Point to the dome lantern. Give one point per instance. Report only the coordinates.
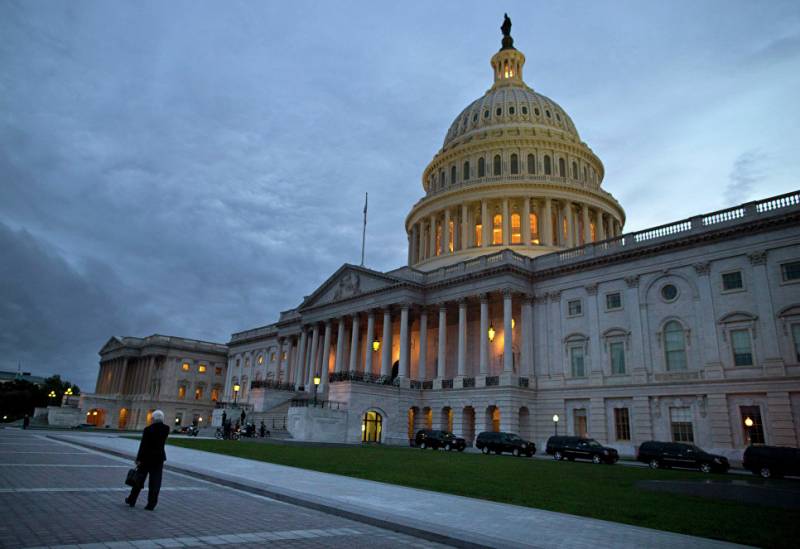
(507, 63)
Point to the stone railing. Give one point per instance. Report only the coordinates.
(263, 331)
(360, 377)
(447, 384)
(523, 382)
(468, 382)
(246, 406)
(312, 403)
(269, 384)
(492, 381)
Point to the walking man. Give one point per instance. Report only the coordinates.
(150, 461)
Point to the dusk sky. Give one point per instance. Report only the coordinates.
(193, 168)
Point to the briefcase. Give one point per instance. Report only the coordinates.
(133, 478)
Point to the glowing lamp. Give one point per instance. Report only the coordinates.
(513, 323)
(177, 420)
(199, 419)
(555, 418)
(236, 388)
(748, 422)
(94, 413)
(376, 345)
(491, 332)
(69, 391)
(317, 380)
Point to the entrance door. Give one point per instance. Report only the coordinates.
(371, 427)
(579, 417)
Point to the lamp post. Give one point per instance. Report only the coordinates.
(236, 388)
(69, 391)
(316, 384)
(555, 423)
(52, 394)
(748, 422)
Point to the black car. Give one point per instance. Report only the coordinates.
(573, 448)
(680, 454)
(499, 442)
(430, 438)
(772, 461)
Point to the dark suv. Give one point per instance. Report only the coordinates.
(772, 461)
(429, 438)
(680, 454)
(500, 442)
(573, 448)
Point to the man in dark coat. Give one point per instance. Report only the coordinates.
(150, 461)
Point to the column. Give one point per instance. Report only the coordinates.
(526, 221)
(526, 333)
(423, 344)
(440, 372)
(570, 233)
(773, 362)
(601, 230)
(432, 236)
(506, 223)
(508, 337)
(484, 335)
(339, 364)
(446, 233)
(386, 344)
(462, 337)
(547, 223)
(587, 229)
(485, 224)
(464, 244)
(402, 370)
(277, 376)
(354, 343)
(368, 342)
(312, 359)
(421, 243)
(326, 351)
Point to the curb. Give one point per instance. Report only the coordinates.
(443, 535)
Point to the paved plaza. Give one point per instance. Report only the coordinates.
(54, 494)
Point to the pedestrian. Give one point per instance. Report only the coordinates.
(26, 421)
(224, 417)
(262, 430)
(150, 461)
(243, 416)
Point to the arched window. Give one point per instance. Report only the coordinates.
(466, 170)
(534, 220)
(441, 179)
(452, 175)
(585, 177)
(497, 229)
(516, 229)
(481, 167)
(497, 162)
(548, 169)
(514, 164)
(478, 232)
(574, 170)
(371, 427)
(562, 169)
(675, 345)
(531, 164)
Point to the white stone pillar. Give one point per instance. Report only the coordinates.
(368, 343)
(339, 364)
(446, 232)
(484, 335)
(354, 336)
(402, 370)
(326, 352)
(312, 359)
(601, 230)
(421, 244)
(506, 223)
(279, 363)
(462, 337)
(508, 336)
(526, 333)
(433, 236)
(485, 224)
(386, 344)
(587, 229)
(423, 344)
(440, 371)
(772, 360)
(570, 232)
(547, 223)
(526, 221)
(464, 244)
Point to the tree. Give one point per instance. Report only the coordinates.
(20, 397)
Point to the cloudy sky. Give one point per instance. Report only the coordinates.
(193, 168)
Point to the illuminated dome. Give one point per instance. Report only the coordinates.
(512, 173)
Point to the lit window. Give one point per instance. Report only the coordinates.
(617, 351)
(218, 371)
(198, 393)
(753, 433)
(201, 368)
(574, 307)
(497, 165)
(681, 424)
(185, 366)
(182, 391)
(622, 423)
(675, 346)
(592, 231)
(531, 164)
(514, 164)
(732, 281)
(497, 229)
(742, 349)
(438, 239)
(261, 359)
(478, 233)
(576, 361)
(272, 356)
(215, 394)
(548, 168)
(283, 355)
(613, 301)
(790, 271)
(516, 228)
(669, 292)
(580, 424)
(534, 221)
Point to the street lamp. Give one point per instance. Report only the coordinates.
(748, 422)
(555, 423)
(376, 345)
(491, 332)
(236, 388)
(69, 391)
(316, 384)
(52, 394)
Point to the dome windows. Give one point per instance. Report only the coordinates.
(486, 113)
(574, 170)
(474, 118)
(452, 174)
(466, 170)
(562, 169)
(547, 113)
(524, 109)
(537, 112)
(558, 117)
(548, 168)
(481, 167)
(531, 164)
(514, 164)
(499, 111)
(496, 168)
(497, 229)
(511, 110)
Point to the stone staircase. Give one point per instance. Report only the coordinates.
(274, 419)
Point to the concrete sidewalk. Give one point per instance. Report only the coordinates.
(445, 518)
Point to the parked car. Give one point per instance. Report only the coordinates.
(499, 442)
(772, 461)
(571, 448)
(432, 438)
(680, 454)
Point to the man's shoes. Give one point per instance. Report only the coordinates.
(149, 508)
(130, 502)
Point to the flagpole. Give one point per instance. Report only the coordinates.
(364, 229)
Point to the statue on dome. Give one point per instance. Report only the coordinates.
(505, 28)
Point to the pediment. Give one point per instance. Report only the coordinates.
(112, 344)
(348, 282)
(791, 310)
(738, 316)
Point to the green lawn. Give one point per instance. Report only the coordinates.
(600, 491)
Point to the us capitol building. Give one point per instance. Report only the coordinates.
(523, 299)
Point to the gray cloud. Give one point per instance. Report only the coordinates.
(748, 170)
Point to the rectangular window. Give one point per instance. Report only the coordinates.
(613, 301)
(576, 360)
(185, 367)
(198, 393)
(201, 368)
(574, 307)
(478, 235)
(182, 391)
(732, 281)
(579, 422)
(742, 350)
(681, 424)
(214, 394)
(272, 357)
(790, 271)
(451, 237)
(218, 371)
(622, 423)
(617, 351)
(751, 423)
(796, 338)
